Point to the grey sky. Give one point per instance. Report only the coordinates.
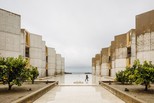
(78, 29)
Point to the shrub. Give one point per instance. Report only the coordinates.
(33, 73)
(13, 71)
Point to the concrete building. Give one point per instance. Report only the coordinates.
(9, 34)
(145, 36)
(120, 52)
(15, 41)
(126, 48)
(36, 52)
(93, 66)
(63, 65)
(98, 66)
(58, 64)
(25, 44)
(51, 61)
(105, 62)
(43, 70)
(112, 54)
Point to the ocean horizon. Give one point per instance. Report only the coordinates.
(78, 69)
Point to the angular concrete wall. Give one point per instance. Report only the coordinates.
(121, 52)
(51, 61)
(98, 66)
(58, 64)
(23, 43)
(43, 69)
(93, 66)
(121, 59)
(105, 62)
(36, 51)
(133, 48)
(145, 47)
(105, 69)
(63, 65)
(113, 72)
(9, 34)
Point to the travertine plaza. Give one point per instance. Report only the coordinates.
(135, 44)
(15, 41)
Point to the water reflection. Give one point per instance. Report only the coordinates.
(78, 79)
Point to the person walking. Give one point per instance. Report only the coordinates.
(86, 78)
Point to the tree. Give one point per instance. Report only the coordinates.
(144, 74)
(33, 73)
(13, 71)
(138, 73)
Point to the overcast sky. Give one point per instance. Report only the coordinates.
(78, 29)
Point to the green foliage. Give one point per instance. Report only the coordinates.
(138, 73)
(145, 74)
(13, 71)
(33, 73)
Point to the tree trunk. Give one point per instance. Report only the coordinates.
(10, 86)
(32, 81)
(146, 87)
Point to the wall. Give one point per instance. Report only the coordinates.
(120, 52)
(36, 51)
(63, 65)
(51, 61)
(9, 34)
(58, 64)
(43, 70)
(98, 67)
(145, 47)
(105, 62)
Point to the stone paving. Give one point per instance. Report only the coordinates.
(74, 89)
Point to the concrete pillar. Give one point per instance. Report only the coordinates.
(43, 70)
(98, 66)
(36, 51)
(58, 64)
(93, 66)
(63, 65)
(51, 61)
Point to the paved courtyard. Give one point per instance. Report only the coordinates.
(74, 89)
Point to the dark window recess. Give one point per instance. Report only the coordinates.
(46, 59)
(109, 58)
(129, 52)
(27, 51)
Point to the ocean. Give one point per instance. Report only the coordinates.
(78, 69)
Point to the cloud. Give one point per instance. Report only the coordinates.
(78, 29)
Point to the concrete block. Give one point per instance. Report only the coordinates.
(105, 69)
(120, 64)
(9, 22)
(36, 53)
(113, 73)
(35, 41)
(98, 70)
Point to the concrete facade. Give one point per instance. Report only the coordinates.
(9, 34)
(145, 36)
(105, 62)
(93, 66)
(63, 65)
(98, 61)
(58, 64)
(36, 51)
(51, 61)
(43, 70)
(112, 51)
(120, 52)
(135, 44)
(15, 41)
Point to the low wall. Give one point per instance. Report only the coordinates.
(122, 95)
(35, 95)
